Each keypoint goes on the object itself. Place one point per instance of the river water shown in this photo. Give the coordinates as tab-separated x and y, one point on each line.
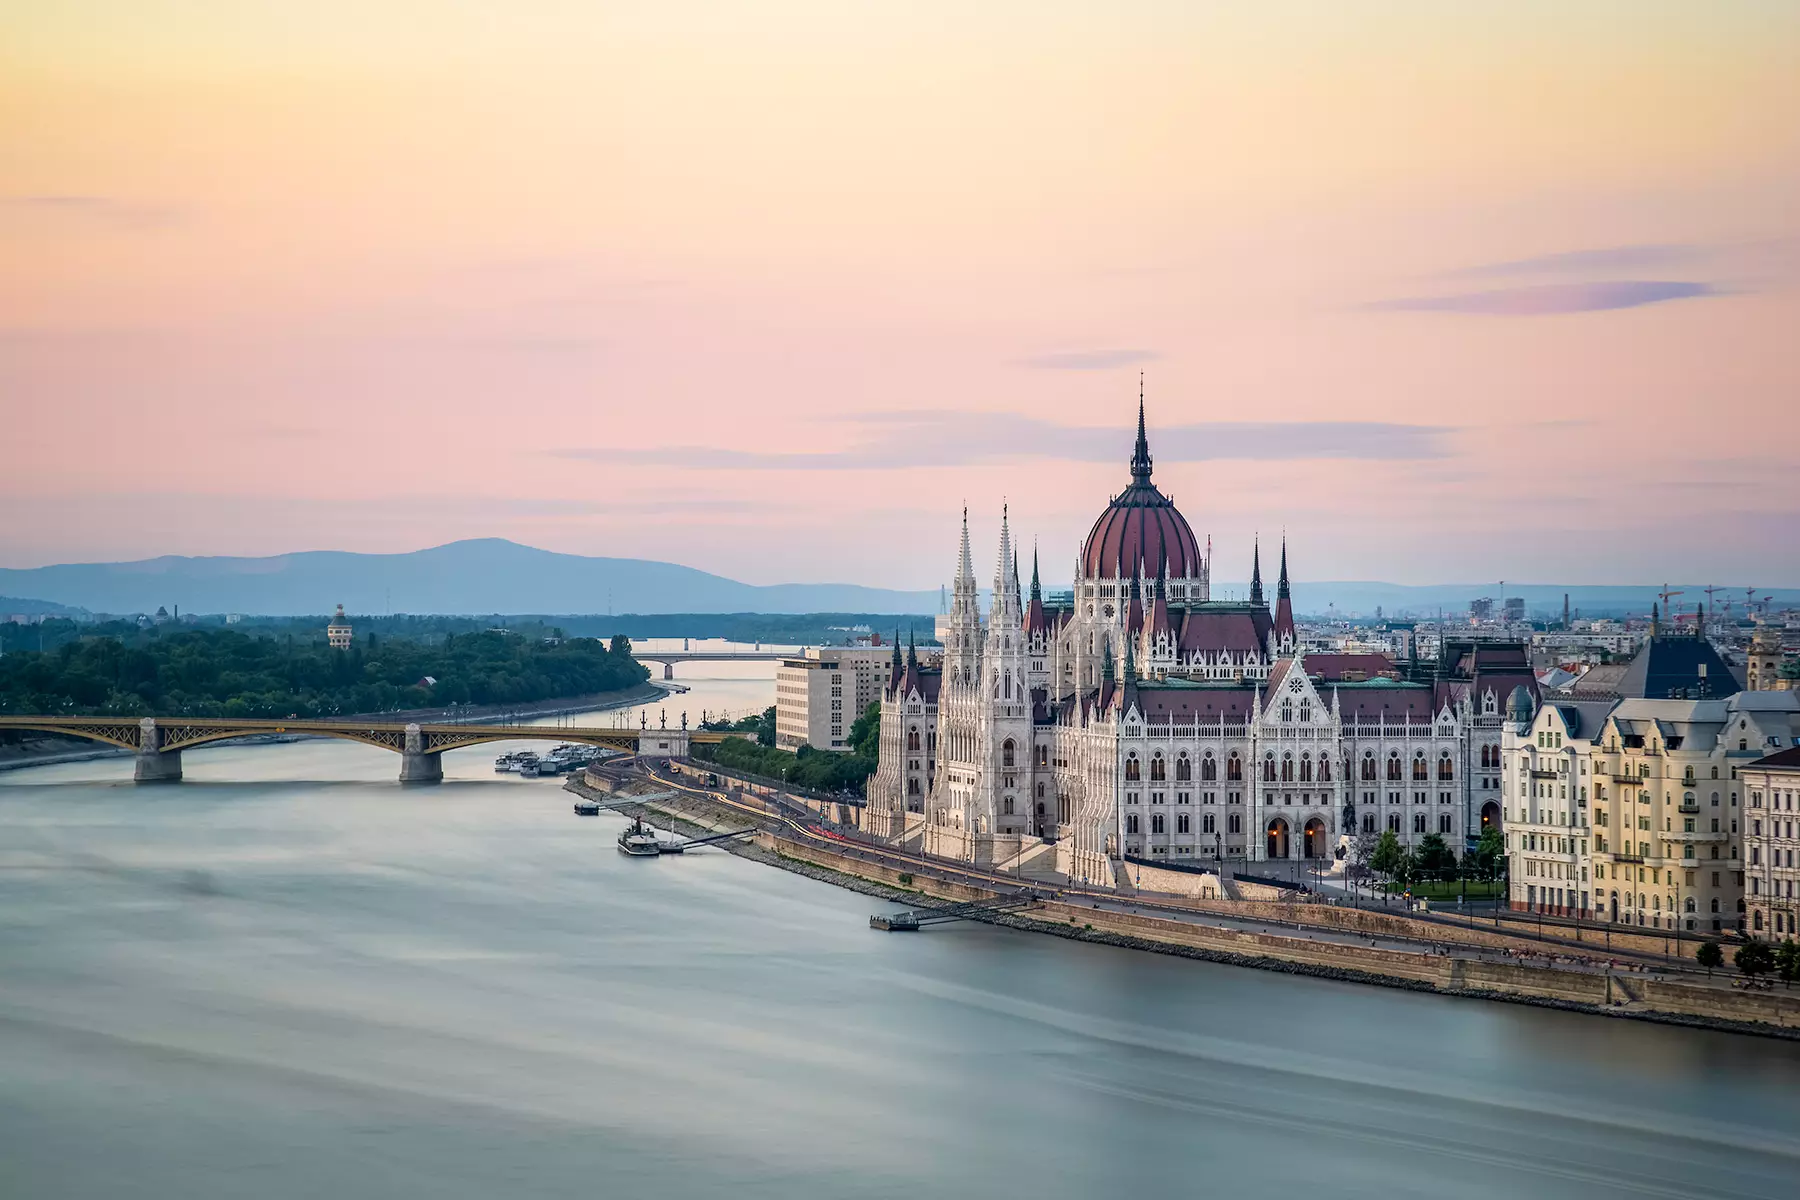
289	977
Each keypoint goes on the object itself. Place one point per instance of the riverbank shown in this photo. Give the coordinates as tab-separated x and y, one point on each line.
48	751
1442	965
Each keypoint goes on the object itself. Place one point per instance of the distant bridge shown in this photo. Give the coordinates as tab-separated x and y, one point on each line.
668	658
159	741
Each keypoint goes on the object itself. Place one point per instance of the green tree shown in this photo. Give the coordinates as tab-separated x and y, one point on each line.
1754	958
865	732
1435	859
1787	961
1489	850
1710	956
1388	855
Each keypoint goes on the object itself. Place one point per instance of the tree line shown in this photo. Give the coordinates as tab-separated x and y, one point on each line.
806	767
228	673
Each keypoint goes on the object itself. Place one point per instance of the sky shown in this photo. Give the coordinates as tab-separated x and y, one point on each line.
1448	292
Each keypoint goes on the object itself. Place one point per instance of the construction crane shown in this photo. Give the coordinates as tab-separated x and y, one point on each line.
1666	593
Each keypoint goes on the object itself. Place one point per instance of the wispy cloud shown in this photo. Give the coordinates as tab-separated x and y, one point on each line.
943	439
1554	298
1586	262
105	210
1088	360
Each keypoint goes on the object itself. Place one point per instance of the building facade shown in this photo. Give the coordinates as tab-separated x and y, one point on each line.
337	634
819	695
1140	718
1772	891
1629	806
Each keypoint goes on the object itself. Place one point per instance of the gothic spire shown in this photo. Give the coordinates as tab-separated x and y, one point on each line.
965	568
1140	456
1256	592
912	651
1281	588
1037	592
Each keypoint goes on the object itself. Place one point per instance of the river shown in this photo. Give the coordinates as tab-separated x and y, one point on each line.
289	977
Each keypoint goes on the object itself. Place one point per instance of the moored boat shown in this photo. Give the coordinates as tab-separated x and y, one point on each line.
638	841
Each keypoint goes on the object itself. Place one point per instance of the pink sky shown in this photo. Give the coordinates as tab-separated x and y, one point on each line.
1449	291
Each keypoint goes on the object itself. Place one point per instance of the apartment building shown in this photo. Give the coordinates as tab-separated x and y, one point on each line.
1771	849
819	695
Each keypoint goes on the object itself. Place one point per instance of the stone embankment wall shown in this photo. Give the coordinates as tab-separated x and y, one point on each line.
1627	995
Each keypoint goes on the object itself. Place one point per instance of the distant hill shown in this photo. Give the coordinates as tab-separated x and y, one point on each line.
489	575
493	575
11	605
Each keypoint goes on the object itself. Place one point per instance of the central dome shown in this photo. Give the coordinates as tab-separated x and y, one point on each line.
1141	531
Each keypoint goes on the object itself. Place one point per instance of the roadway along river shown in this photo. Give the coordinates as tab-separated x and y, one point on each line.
290	977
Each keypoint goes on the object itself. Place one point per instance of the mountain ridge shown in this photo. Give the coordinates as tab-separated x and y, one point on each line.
495	575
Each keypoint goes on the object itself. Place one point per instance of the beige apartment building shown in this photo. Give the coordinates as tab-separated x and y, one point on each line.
1630	807
819	695
1772	888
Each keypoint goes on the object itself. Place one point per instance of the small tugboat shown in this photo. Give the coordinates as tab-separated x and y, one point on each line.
638	841
585	807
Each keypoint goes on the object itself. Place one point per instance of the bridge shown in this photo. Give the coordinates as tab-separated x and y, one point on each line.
159	741
668	658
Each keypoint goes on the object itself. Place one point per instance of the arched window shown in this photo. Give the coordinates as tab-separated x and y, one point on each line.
1287	768
1209	770
1306	768
1393	771
912	739
1268	768
1324	769
1234	769
1006	753
1420	774
1287	710
1305	711
1368	766
1040	789
1131	768
1184	768
1159	770
1446	771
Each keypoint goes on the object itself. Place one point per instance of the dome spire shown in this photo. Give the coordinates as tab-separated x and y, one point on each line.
1140	456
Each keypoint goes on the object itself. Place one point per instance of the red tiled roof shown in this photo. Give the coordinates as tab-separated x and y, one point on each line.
1236	630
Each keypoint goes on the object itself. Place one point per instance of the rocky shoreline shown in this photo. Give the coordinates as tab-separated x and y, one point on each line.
1124	941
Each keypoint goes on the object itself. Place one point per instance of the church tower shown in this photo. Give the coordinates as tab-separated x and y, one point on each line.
1005	700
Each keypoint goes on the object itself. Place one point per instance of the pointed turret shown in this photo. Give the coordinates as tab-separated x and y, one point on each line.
1284	605
1134	611
965	566
1140	454
912	651
1256	592
898	667
1035	621
1159	608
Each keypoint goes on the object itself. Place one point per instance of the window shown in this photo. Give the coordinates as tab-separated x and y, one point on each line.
1393	766
1443	822
1445	771
1206	822
1306	768
912	739
1418	822
1394	822
1181	823
1158	769
1006	753
1184	768
1287	768
1236	824
1234	769
1131	823
1156	822
1268	768
1418	767
1131	768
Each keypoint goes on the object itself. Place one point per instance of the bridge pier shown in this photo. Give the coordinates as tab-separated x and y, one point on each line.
422	768
154	764
157	766
417	765
668	670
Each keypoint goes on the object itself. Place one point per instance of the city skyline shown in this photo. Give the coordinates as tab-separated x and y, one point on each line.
1422	287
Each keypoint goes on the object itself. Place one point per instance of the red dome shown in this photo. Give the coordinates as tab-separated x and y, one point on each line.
1141	531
